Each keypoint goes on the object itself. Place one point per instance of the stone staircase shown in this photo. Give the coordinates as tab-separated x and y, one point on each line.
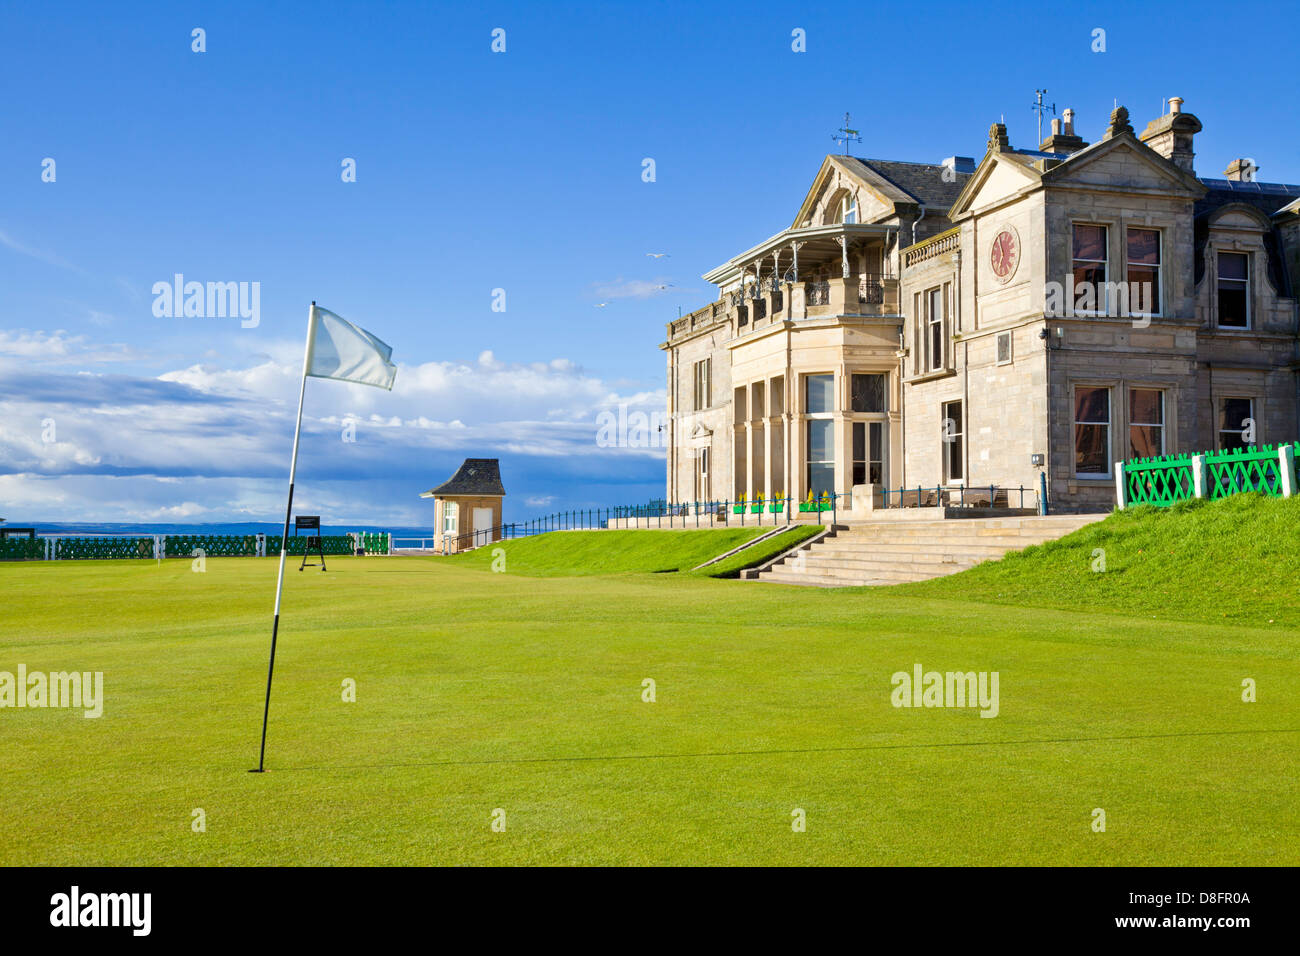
891	552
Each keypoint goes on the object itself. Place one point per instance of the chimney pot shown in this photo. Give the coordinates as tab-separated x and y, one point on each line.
1176	104
1056	126
1069	121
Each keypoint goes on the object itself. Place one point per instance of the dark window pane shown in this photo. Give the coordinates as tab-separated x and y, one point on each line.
1232	304
876	473
1144	246
1090	450
868	393
877	431
1090	242
954	459
859	441
1234	413
1146	406
1092	405
1232	265
1143	289
1145	441
859	473
952	413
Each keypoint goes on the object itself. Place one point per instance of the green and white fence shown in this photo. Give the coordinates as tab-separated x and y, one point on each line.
1169	479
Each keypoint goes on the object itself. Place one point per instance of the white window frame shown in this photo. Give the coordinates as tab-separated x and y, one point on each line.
849	207
1162	424
1011	348
959	439
1160	270
450	517
1109	473
1103	308
1218	278
934	363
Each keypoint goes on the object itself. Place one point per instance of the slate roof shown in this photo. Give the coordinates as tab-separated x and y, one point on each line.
913	182
1268	198
475	476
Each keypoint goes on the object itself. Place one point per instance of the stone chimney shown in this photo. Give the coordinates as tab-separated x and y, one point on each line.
1118	123
1241	171
1171	135
1062	139
998	139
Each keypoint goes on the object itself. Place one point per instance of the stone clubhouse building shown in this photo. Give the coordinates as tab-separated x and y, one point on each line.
962	325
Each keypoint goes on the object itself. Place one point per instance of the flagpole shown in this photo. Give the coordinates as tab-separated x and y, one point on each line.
284	538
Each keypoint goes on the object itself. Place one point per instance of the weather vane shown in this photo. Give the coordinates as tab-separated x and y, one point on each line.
1040	108
846	135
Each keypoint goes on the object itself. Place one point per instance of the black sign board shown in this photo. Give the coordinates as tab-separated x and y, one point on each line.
306	523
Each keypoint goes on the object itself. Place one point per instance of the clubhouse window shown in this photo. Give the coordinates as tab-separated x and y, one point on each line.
450	513
934	323
951	435
1089	243
819	405
868	393
1234	290
1091	431
1144	271
703	385
1236	423
868	453
1146	428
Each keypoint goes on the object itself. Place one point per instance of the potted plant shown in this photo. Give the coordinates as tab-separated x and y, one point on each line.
757	507
825	503
807	505
739	507
777	504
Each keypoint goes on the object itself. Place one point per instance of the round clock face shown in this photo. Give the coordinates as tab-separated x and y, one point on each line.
1005	254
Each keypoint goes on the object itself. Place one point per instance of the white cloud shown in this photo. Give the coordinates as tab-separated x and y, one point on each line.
217	438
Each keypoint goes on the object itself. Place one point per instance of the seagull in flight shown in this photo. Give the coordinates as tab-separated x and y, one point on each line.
601	305
657	255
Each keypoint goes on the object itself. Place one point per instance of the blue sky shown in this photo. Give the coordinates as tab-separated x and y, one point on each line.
475	171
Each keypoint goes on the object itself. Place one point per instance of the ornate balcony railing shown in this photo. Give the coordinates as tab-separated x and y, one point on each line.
871	290
817	293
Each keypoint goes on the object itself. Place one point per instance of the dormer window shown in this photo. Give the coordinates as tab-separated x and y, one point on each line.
1234	290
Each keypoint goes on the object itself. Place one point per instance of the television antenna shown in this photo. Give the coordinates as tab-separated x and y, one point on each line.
845	135
1040	108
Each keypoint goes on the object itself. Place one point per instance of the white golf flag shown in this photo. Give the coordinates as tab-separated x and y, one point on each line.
345	352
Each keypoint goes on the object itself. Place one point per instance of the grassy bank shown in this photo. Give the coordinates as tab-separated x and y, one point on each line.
1231	561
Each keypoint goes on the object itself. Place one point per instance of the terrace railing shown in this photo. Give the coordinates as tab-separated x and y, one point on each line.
961	496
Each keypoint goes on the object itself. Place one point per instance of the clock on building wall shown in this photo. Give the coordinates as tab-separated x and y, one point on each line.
1004	255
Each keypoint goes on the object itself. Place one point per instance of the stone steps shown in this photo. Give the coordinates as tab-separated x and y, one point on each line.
892	552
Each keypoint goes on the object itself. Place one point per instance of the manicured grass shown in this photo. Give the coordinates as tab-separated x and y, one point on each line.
607	552
1231	561
480	690
756	554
